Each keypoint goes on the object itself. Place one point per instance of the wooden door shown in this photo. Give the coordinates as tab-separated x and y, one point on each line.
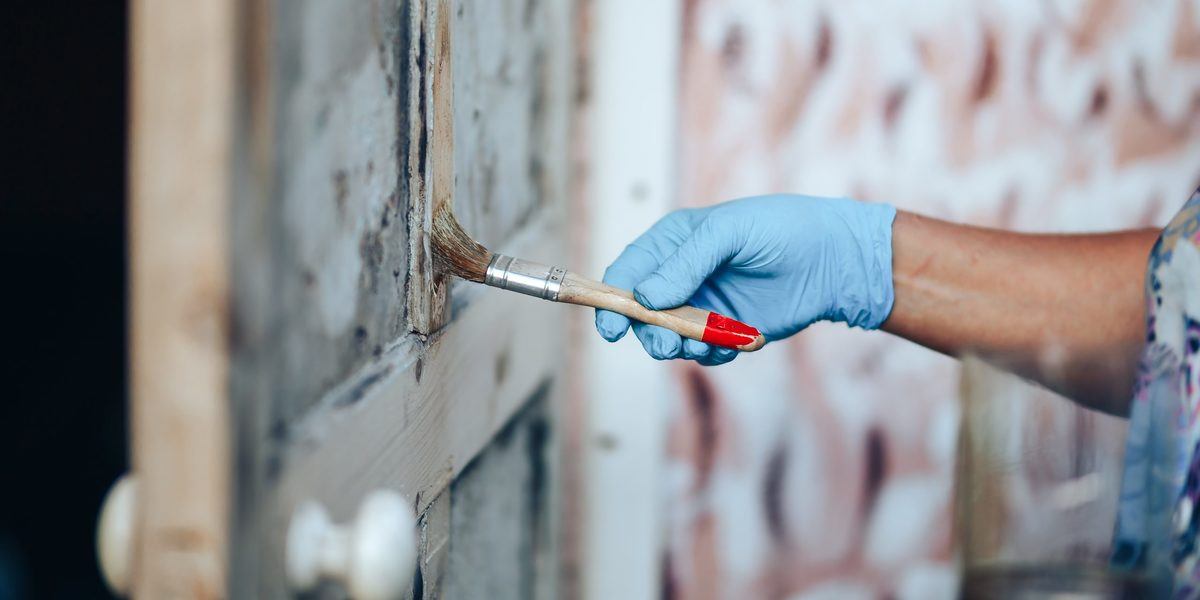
291	339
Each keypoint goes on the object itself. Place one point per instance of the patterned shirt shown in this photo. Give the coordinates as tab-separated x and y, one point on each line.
1157	520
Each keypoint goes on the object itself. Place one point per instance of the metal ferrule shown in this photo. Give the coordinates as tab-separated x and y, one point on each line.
522	276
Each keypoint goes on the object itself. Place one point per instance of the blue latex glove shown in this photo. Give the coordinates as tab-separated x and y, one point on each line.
778	263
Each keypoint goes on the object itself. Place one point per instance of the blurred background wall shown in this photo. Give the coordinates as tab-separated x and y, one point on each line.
823	466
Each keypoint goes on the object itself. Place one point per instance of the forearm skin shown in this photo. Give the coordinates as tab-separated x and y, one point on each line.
1067	311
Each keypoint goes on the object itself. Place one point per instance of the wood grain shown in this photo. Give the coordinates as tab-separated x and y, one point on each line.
182	118
688	321
431	167
412	420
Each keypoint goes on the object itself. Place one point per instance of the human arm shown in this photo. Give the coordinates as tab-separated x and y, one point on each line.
1066	311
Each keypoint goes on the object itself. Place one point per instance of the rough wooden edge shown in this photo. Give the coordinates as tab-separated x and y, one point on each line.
431	156
183	64
419	216
433	549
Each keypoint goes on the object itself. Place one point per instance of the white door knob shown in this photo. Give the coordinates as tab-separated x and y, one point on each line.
373	557
114	534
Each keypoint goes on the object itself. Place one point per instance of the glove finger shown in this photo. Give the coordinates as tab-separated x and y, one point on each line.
610	325
641	257
682	273
694	350
660	343
634	264
719	356
630	267
723	355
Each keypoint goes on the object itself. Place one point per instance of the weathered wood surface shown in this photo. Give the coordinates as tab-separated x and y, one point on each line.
502	541
335	226
513	89
335	392
493	532
431	162
413	421
433	550
335	232
182	139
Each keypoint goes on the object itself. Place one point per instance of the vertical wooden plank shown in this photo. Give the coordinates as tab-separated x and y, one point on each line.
420	261
182	63
431	167
441	99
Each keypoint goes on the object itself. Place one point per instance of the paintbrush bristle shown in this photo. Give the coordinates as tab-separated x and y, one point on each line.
454	250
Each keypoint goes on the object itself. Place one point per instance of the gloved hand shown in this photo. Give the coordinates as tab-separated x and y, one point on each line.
778	263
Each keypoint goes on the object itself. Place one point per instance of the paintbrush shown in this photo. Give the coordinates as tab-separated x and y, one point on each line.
459	254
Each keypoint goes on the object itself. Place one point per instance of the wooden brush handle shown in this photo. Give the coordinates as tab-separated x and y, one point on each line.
688	321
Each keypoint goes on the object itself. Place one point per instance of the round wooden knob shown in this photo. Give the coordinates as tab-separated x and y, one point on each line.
373	557
114	534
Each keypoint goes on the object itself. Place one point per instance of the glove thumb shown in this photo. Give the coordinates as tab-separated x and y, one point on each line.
682	273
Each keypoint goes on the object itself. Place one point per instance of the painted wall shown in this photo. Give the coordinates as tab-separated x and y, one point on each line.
827	470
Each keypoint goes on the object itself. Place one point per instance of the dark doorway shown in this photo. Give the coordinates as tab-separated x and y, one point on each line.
62	253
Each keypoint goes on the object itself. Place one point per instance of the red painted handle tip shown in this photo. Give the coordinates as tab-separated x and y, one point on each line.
731	333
